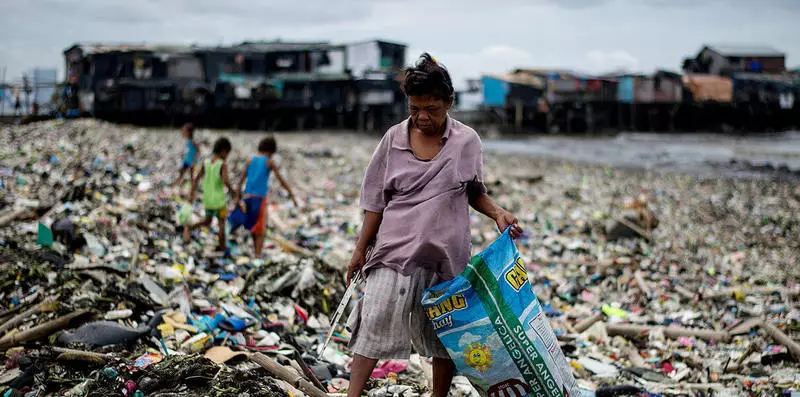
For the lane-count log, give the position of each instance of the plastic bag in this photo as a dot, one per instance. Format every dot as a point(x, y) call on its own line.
point(184, 214)
point(495, 330)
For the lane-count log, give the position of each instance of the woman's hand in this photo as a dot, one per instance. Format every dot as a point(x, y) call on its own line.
point(504, 219)
point(356, 263)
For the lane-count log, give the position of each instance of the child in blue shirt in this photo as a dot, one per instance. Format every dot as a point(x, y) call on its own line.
point(256, 174)
point(192, 153)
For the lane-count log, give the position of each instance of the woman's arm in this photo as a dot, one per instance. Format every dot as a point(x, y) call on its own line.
point(369, 230)
point(484, 204)
point(283, 182)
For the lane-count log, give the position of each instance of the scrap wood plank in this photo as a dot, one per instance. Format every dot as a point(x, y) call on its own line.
point(782, 338)
point(633, 330)
point(43, 330)
point(294, 379)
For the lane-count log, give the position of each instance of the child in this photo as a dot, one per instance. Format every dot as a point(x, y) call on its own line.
point(192, 153)
point(214, 172)
point(256, 173)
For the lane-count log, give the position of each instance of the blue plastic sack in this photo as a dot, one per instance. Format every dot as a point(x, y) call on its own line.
point(495, 330)
point(237, 218)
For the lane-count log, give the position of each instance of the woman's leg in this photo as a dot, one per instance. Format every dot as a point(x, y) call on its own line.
point(443, 371)
point(360, 372)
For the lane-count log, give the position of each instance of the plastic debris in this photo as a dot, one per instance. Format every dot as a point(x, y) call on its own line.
point(692, 291)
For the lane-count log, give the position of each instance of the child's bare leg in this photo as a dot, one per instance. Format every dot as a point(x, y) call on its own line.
point(180, 178)
point(221, 223)
point(258, 243)
point(188, 229)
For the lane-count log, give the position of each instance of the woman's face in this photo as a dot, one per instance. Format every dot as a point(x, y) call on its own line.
point(428, 113)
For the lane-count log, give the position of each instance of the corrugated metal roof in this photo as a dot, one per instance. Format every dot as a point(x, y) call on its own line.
point(521, 78)
point(745, 50)
point(376, 41)
point(100, 48)
point(764, 77)
point(278, 46)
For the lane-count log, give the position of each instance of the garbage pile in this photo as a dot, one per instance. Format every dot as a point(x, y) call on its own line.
point(674, 284)
point(656, 284)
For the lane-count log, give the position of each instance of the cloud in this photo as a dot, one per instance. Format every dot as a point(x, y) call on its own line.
point(578, 3)
point(492, 59)
point(494, 343)
point(603, 61)
point(560, 34)
point(468, 338)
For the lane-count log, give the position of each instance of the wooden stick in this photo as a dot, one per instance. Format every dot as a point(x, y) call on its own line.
point(294, 379)
point(635, 358)
point(177, 325)
point(745, 326)
point(42, 330)
point(80, 355)
point(780, 337)
point(728, 292)
point(277, 222)
point(644, 286)
point(684, 292)
point(23, 304)
point(310, 375)
point(588, 322)
point(290, 246)
point(632, 330)
point(751, 348)
point(9, 216)
point(633, 227)
point(16, 320)
point(134, 262)
point(66, 350)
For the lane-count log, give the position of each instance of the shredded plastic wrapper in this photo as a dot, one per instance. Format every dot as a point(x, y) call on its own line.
point(495, 330)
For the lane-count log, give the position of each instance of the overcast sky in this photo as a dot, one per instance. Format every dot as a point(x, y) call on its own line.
point(471, 37)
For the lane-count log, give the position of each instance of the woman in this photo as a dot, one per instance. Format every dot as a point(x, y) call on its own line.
point(416, 191)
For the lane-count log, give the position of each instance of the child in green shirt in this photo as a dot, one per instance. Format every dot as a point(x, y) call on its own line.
point(214, 172)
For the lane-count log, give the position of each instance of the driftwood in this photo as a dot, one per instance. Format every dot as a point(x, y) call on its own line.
point(593, 262)
point(644, 233)
point(780, 337)
point(134, 262)
point(764, 290)
point(744, 327)
point(16, 320)
point(291, 246)
point(631, 330)
point(26, 301)
point(309, 375)
point(174, 324)
point(80, 355)
point(42, 330)
point(737, 366)
point(685, 293)
point(294, 379)
point(277, 222)
point(12, 215)
point(635, 358)
point(588, 322)
point(644, 286)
